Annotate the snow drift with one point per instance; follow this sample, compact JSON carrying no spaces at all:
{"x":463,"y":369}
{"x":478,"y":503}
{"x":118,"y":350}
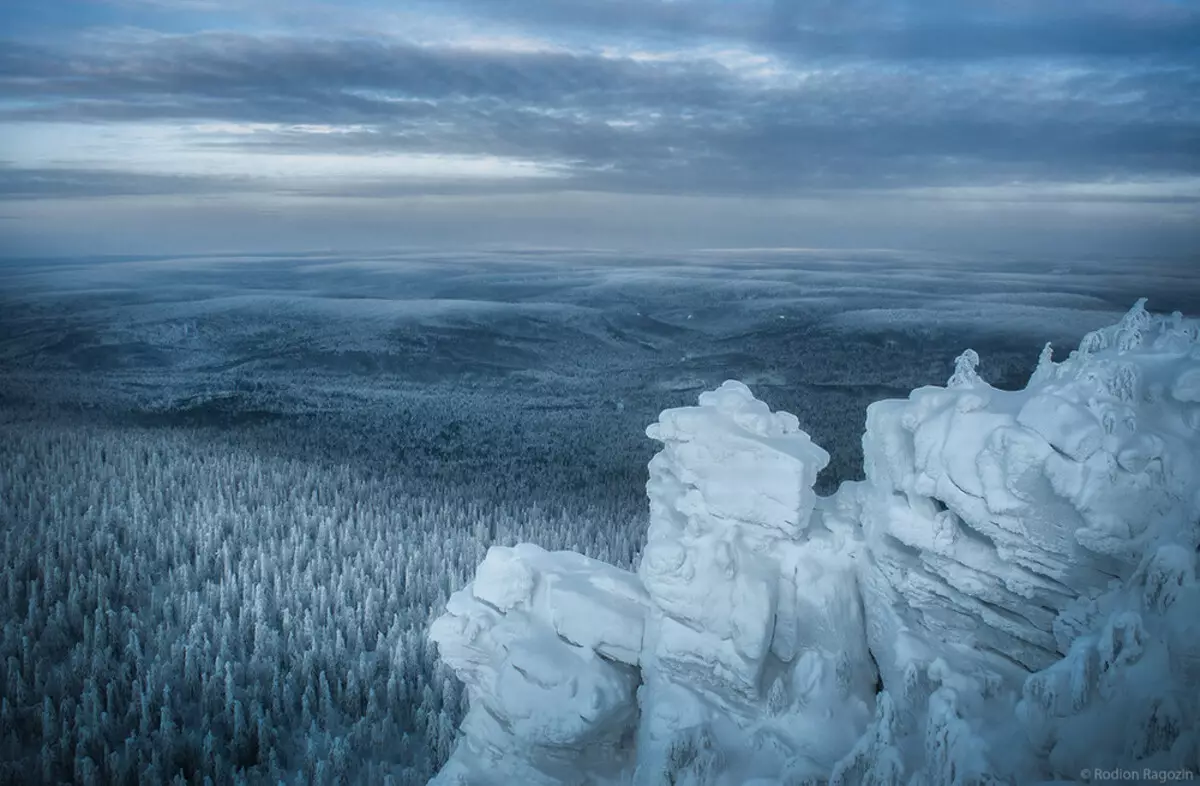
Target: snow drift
{"x":1009,"y":597}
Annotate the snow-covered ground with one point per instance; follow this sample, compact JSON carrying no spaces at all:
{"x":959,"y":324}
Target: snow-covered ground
{"x":1010,"y":595}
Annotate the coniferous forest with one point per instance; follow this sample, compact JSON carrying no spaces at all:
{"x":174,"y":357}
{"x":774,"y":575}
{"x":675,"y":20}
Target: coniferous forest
{"x":179,"y":608}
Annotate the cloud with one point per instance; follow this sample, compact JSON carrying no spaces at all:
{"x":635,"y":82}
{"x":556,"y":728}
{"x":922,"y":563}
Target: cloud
{"x":26,"y":183}
{"x":760,"y":98}
{"x":684,"y":121}
{"x":880,"y":30}
{"x":976,"y":32}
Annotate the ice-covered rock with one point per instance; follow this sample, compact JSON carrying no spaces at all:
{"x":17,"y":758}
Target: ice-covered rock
{"x":755,"y":639}
{"x":1017,"y":571}
{"x":547,"y":644}
{"x":731,"y":482}
{"x":995,"y":521}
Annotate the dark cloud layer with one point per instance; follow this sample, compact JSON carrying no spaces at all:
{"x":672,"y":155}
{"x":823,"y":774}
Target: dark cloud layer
{"x":24,"y":183}
{"x":863,"y":94}
{"x":882,"y":29}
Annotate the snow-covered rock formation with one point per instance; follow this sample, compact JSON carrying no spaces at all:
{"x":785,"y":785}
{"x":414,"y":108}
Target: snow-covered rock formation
{"x":1009,"y":597}
{"x":548,"y":645}
{"x":754,"y":647}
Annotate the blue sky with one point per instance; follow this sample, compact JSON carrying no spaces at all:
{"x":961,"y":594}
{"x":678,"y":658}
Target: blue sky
{"x":203,"y":125}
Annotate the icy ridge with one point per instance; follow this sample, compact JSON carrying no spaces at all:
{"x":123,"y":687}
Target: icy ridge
{"x":1009,"y":597}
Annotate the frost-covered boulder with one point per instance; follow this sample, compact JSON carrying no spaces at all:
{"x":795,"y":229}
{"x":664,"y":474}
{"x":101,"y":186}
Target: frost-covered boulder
{"x":731,"y":482}
{"x":755,"y":653}
{"x":1010,"y":596}
{"x":547,"y":644}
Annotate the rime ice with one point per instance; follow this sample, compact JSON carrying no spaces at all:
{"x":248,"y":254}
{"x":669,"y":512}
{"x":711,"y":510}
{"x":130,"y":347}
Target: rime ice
{"x":1017,"y":572}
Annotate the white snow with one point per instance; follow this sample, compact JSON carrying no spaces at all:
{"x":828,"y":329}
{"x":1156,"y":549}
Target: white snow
{"x":547,"y":644}
{"x":1017,"y":571}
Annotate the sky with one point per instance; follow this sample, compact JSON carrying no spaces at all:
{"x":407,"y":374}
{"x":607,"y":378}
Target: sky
{"x":1025,"y":126}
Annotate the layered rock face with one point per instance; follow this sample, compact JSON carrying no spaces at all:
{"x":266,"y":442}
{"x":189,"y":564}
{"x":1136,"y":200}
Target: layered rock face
{"x":1008,"y":538}
{"x":1009,"y":596}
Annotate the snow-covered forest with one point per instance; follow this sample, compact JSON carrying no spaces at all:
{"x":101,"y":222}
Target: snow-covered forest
{"x":178,"y":608}
{"x":234,"y":493}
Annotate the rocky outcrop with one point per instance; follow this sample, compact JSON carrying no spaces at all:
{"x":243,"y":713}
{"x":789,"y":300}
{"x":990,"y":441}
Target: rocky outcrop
{"x":755,"y":641}
{"x":1009,"y":597}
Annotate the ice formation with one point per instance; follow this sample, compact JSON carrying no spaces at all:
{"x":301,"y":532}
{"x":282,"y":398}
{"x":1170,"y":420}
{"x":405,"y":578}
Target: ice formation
{"x":548,"y":645}
{"x":1009,"y":597}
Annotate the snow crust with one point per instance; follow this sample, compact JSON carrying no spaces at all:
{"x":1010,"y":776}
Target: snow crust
{"x":1009,"y":597}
